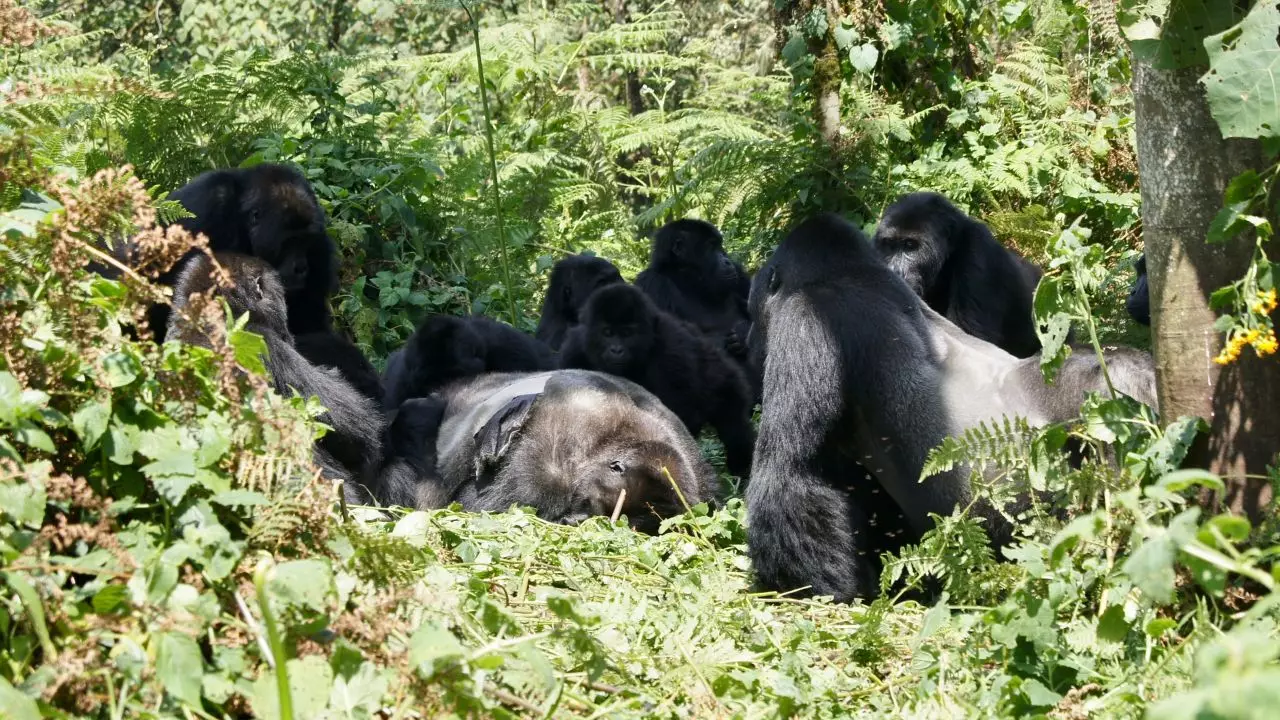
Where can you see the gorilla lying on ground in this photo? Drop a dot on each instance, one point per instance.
(567, 443)
(860, 375)
(691, 277)
(954, 263)
(623, 334)
(573, 279)
(446, 348)
(353, 448)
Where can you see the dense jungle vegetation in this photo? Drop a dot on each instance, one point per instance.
(167, 550)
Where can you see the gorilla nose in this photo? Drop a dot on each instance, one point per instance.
(614, 354)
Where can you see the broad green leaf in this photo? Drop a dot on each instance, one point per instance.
(179, 667)
(310, 681)
(1181, 33)
(90, 422)
(430, 645)
(863, 57)
(16, 706)
(1243, 82)
(302, 583)
(121, 369)
(239, 498)
(109, 598)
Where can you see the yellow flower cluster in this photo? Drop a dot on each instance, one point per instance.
(1266, 303)
(1263, 345)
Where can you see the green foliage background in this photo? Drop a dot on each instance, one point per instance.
(165, 552)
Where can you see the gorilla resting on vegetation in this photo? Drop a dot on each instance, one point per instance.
(954, 263)
(353, 448)
(623, 334)
(446, 348)
(573, 279)
(691, 277)
(862, 377)
(1139, 302)
(568, 443)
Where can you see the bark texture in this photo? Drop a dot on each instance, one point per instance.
(1184, 165)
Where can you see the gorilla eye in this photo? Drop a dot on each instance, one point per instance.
(911, 245)
(617, 467)
(607, 331)
(253, 217)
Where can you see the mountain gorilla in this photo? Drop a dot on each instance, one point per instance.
(446, 348)
(691, 277)
(353, 448)
(860, 375)
(567, 443)
(954, 263)
(573, 279)
(623, 334)
(1139, 302)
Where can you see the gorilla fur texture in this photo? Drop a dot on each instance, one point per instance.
(1139, 302)
(353, 449)
(956, 265)
(567, 443)
(623, 334)
(446, 348)
(691, 277)
(573, 279)
(861, 376)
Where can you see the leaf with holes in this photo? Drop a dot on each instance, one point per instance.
(1244, 67)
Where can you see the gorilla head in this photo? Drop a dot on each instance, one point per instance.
(619, 326)
(443, 348)
(695, 248)
(573, 279)
(916, 236)
(269, 211)
(254, 289)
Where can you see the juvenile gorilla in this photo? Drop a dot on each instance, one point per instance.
(954, 263)
(573, 279)
(691, 277)
(567, 443)
(623, 334)
(353, 449)
(861, 381)
(446, 348)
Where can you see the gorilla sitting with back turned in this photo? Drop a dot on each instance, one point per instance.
(573, 279)
(623, 334)
(691, 277)
(956, 265)
(572, 444)
(861, 380)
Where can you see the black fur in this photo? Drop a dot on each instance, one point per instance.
(353, 449)
(1139, 302)
(270, 212)
(691, 277)
(565, 443)
(410, 468)
(623, 334)
(328, 348)
(954, 263)
(446, 348)
(573, 279)
(861, 377)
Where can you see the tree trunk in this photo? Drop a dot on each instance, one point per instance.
(635, 101)
(1184, 165)
(827, 74)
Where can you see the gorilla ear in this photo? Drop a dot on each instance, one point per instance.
(495, 437)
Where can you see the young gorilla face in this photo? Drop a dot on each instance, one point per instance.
(582, 279)
(256, 290)
(287, 227)
(695, 247)
(914, 237)
(619, 323)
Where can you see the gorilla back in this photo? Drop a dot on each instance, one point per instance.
(861, 376)
(566, 443)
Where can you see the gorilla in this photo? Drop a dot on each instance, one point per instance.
(1139, 302)
(954, 263)
(573, 279)
(691, 277)
(623, 334)
(353, 448)
(568, 443)
(861, 381)
(445, 348)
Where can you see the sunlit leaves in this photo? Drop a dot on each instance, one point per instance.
(1243, 82)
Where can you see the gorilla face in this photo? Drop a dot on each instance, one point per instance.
(695, 247)
(445, 348)
(637, 469)
(256, 290)
(619, 324)
(915, 237)
(287, 227)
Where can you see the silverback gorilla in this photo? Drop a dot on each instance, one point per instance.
(353, 449)
(954, 263)
(573, 279)
(567, 443)
(691, 277)
(861, 376)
